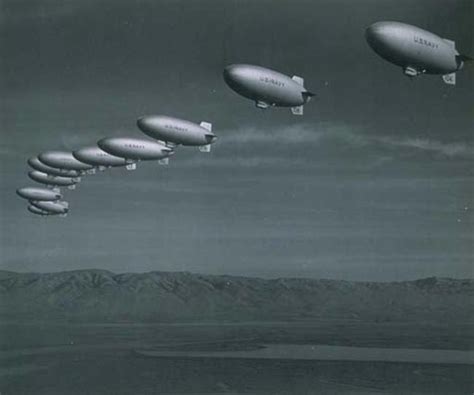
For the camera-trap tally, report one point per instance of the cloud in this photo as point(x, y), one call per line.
point(450, 150)
point(240, 162)
point(294, 134)
point(289, 146)
point(344, 136)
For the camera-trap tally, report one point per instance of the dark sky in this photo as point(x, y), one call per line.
point(374, 182)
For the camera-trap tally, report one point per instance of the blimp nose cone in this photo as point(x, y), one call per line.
point(375, 33)
point(148, 124)
point(227, 70)
point(230, 73)
point(104, 143)
point(380, 34)
point(142, 122)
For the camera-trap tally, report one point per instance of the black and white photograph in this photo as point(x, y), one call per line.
point(268, 197)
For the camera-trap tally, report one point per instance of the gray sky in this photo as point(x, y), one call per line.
point(374, 182)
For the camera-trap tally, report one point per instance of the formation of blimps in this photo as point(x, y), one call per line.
point(416, 50)
point(56, 169)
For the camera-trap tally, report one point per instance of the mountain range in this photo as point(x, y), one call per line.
point(99, 295)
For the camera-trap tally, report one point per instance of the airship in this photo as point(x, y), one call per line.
point(175, 131)
point(36, 210)
point(416, 50)
point(60, 207)
point(36, 164)
point(267, 87)
point(55, 181)
point(95, 156)
point(64, 160)
point(133, 149)
point(37, 194)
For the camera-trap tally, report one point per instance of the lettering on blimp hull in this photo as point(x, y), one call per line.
point(425, 42)
point(134, 146)
point(272, 81)
point(178, 128)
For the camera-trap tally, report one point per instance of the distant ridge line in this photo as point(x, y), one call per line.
point(185, 272)
point(100, 295)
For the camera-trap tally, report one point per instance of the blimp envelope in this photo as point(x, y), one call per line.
point(63, 160)
point(134, 149)
point(174, 131)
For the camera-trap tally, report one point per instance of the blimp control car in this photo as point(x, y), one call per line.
point(267, 87)
point(36, 164)
point(39, 194)
point(133, 149)
point(64, 160)
point(175, 131)
point(55, 208)
point(97, 157)
point(416, 50)
point(54, 181)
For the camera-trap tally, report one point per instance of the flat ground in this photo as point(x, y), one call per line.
point(67, 358)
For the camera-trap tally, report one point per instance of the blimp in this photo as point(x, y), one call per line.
point(174, 131)
point(267, 88)
point(37, 211)
point(39, 194)
point(53, 208)
point(36, 164)
point(97, 157)
point(415, 50)
point(64, 160)
point(134, 150)
point(53, 181)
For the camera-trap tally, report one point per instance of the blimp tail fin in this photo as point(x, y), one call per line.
point(73, 186)
point(164, 161)
point(206, 125)
point(450, 79)
point(56, 190)
point(63, 215)
point(297, 110)
point(298, 80)
point(451, 43)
